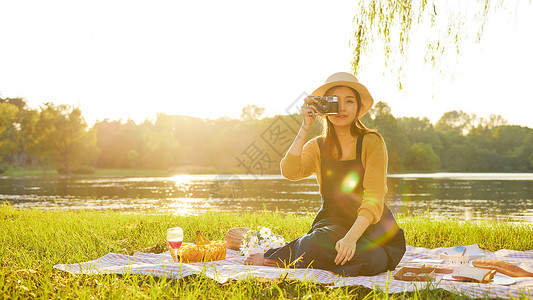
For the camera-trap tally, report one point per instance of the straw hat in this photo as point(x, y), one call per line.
point(235, 236)
point(347, 79)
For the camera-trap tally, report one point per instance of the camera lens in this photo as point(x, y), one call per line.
point(322, 105)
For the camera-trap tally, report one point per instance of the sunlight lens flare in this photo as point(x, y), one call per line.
point(350, 182)
point(390, 231)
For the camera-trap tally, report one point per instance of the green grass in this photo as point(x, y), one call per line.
point(29, 172)
point(97, 173)
point(15, 172)
point(32, 241)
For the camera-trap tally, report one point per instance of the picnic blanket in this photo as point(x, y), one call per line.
point(233, 268)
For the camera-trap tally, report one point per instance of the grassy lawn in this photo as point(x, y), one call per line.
point(97, 173)
point(32, 241)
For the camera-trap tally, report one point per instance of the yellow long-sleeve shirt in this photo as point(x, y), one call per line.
point(374, 159)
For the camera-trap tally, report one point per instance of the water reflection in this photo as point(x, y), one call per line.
point(462, 196)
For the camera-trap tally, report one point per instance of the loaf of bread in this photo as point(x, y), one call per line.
point(467, 273)
point(502, 266)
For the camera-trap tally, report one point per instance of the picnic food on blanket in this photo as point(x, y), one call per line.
point(200, 239)
point(202, 250)
point(502, 266)
point(415, 274)
point(473, 274)
point(440, 269)
point(459, 259)
point(235, 236)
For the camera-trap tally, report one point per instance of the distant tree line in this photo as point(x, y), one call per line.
point(57, 136)
point(458, 142)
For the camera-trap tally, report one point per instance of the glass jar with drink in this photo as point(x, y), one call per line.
point(174, 239)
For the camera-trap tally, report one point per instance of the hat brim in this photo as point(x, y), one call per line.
point(366, 99)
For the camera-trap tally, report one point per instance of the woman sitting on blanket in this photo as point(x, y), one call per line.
point(354, 233)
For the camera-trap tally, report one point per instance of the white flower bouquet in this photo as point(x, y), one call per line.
point(259, 241)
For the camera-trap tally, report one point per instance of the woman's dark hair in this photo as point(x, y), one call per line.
point(331, 142)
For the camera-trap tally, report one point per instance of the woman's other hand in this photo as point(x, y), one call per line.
point(309, 112)
point(345, 250)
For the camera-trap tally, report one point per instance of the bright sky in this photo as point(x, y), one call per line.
point(133, 59)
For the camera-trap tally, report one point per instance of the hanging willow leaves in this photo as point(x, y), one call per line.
point(444, 27)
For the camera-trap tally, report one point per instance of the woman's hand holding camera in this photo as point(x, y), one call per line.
point(309, 112)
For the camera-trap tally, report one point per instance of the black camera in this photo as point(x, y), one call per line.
point(327, 105)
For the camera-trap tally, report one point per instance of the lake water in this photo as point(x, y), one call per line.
point(450, 195)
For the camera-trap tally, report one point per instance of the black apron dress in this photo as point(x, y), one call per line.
point(379, 249)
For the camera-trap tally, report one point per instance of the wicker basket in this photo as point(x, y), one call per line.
point(195, 253)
